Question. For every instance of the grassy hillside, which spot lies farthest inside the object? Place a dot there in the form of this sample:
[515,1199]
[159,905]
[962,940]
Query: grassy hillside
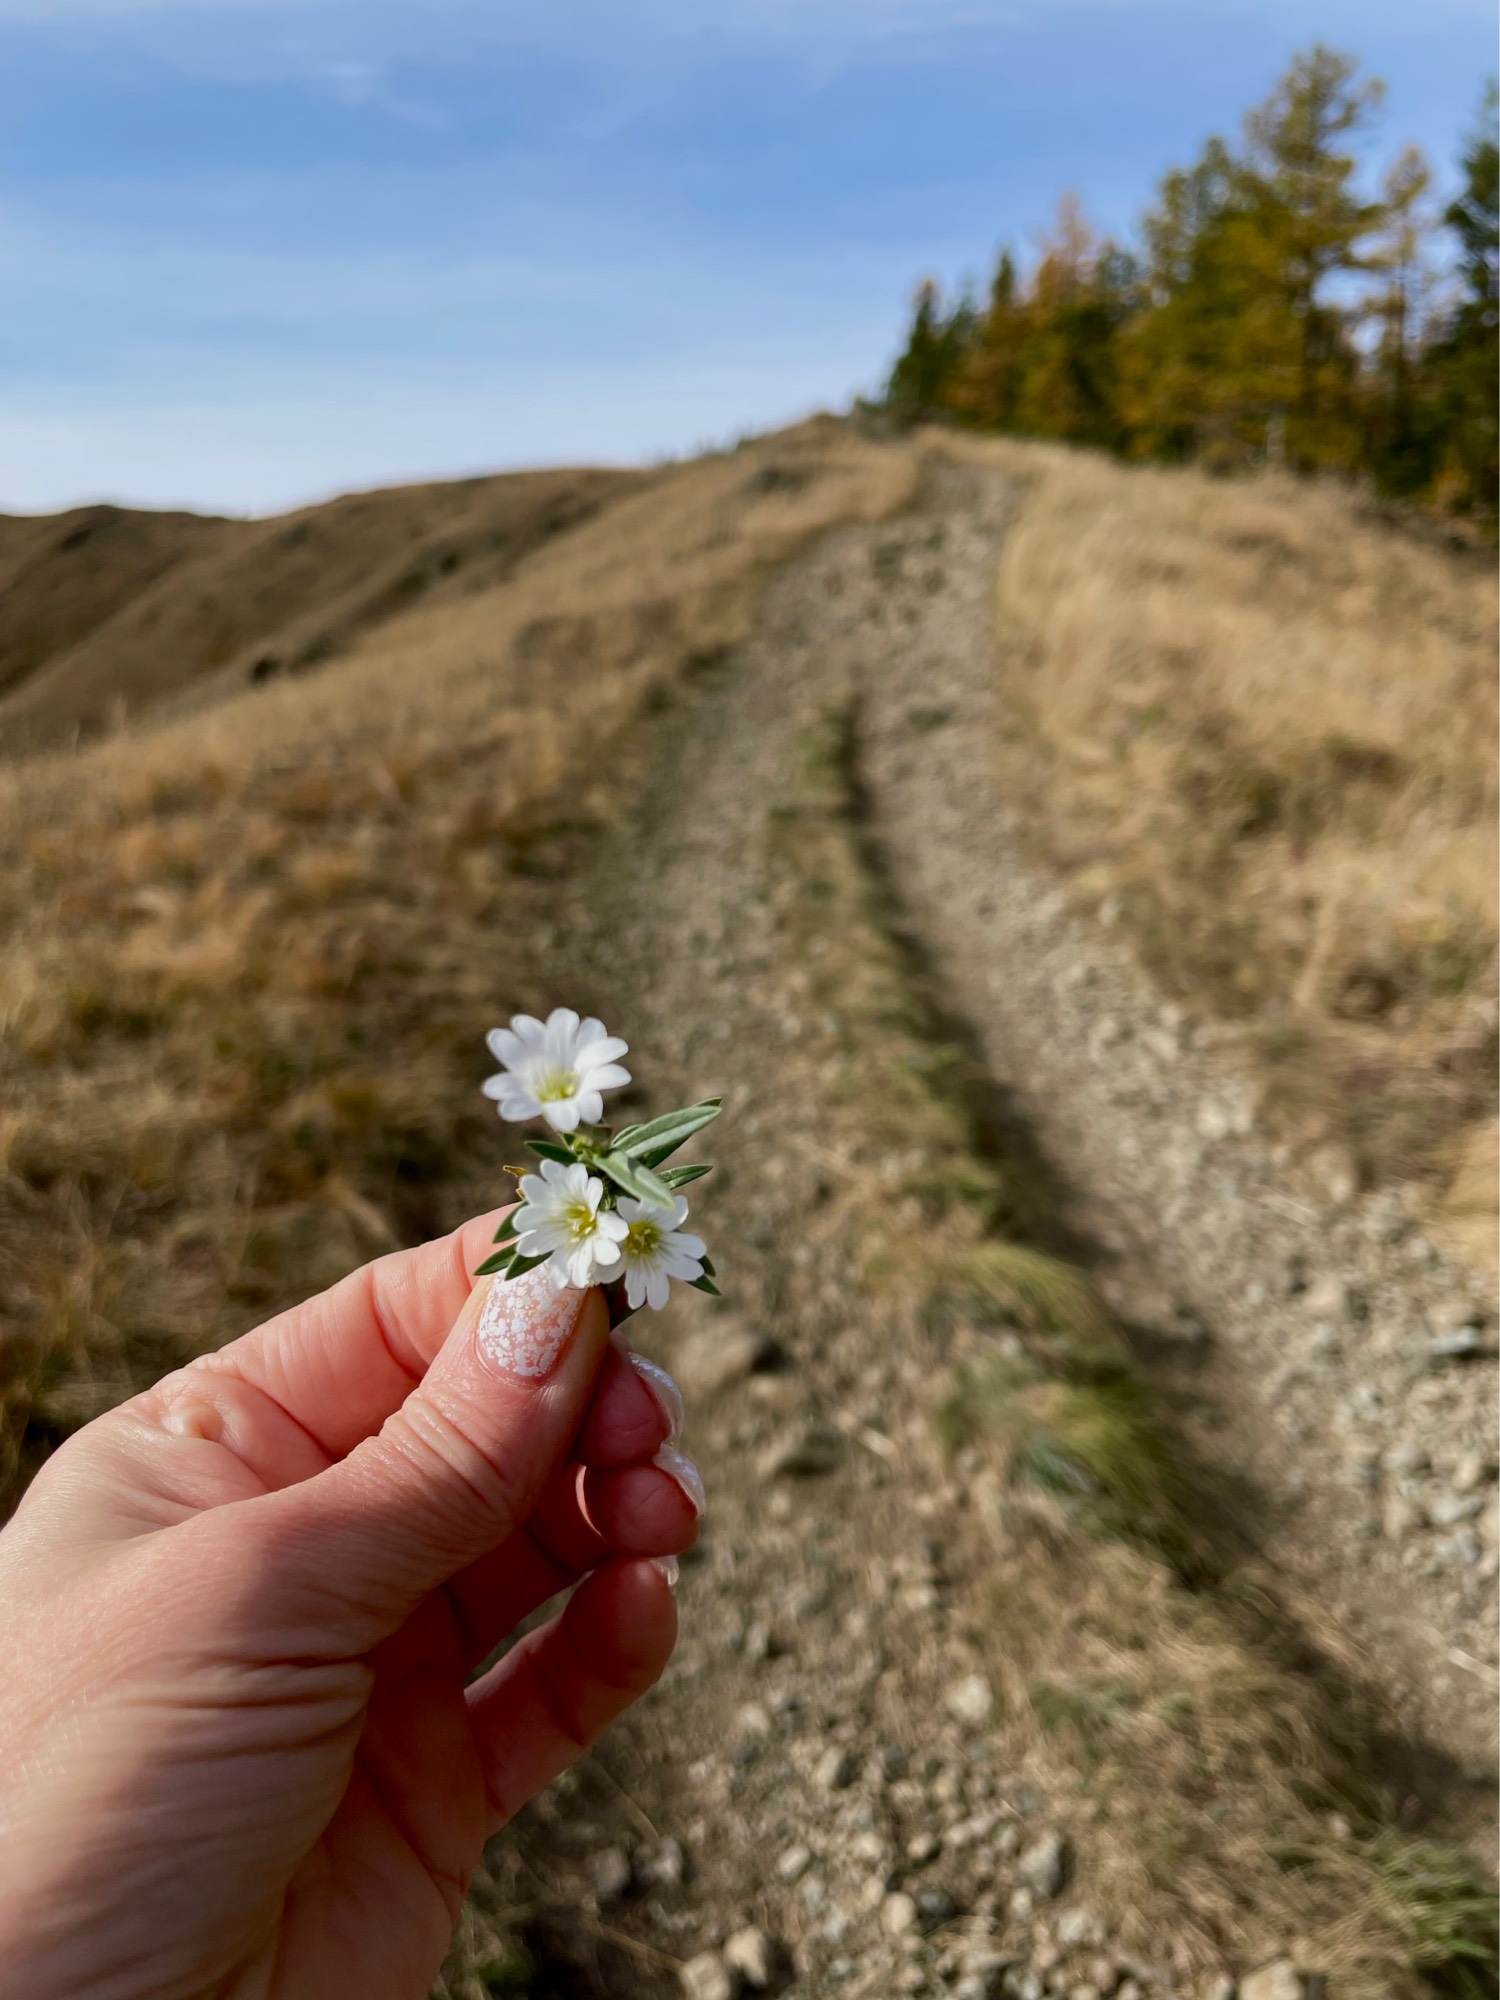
[246,956]
[1255,723]
[107,615]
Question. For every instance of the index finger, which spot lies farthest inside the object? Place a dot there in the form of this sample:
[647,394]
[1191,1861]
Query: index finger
[341,1363]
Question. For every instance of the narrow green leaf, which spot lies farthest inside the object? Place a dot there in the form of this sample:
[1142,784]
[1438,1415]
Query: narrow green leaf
[708,1266]
[499,1261]
[507,1228]
[550,1149]
[706,1285]
[679,1177]
[636,1179]
[519,1265]
[658,1140]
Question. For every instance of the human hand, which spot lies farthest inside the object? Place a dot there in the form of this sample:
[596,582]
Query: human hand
[238,1753]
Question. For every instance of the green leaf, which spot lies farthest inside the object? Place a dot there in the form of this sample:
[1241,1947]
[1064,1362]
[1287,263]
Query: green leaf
[706,1285]
[519,1265]
[550,1149]
[679,1177]
[708,1266]
[636,1179]
[499,1261]
[659,1139]
[507,1228]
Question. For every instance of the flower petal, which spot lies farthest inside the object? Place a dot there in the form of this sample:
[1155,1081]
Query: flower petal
[562,1115]
[603,1076]
[505,1046]
[590,1106]
[658,1290]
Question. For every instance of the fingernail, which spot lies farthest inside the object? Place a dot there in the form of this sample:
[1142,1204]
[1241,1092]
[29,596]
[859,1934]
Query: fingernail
[666,1392]
[524,1324]
[670,1568]
[677,1465]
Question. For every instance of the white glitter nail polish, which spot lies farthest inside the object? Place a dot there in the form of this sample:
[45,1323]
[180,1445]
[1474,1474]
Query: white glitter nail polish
[524,1324]
[677,1465]
[666,1392]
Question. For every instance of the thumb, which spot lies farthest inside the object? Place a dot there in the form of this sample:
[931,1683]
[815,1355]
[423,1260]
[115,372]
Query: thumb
[452,1472]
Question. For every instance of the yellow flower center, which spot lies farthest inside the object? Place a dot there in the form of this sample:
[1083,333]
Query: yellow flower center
[557,1085]
[578,1220]
[642,1239]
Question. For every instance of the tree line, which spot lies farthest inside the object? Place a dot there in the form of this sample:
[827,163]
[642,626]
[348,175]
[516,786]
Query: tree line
[1272,312]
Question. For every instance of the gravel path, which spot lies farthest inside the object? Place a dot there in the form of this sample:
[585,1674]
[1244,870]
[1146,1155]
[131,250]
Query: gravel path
[823,1715]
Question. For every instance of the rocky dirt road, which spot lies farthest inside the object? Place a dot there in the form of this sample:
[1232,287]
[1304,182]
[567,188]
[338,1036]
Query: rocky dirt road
[812,1795]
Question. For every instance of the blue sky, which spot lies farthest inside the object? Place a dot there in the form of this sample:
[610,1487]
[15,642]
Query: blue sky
[258,251]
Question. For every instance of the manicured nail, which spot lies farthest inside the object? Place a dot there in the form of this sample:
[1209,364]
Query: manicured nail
[666,1392]
[670,1568]
[677,1465]
[524,1324]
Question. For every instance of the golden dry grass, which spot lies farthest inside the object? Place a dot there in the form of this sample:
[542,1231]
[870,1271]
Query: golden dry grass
[1266,726]
[246,955]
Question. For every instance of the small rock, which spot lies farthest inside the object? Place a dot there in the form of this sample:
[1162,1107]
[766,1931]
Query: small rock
[1472,1471]
[935,1905]
[1448,1509]
[717,1358]
[1278,1981]
[1022,1905]
[807,1452]
[1401,1516]
[755,1955]
[794,1862]
[1334,1170]
[1327,1298]
[1077,1927]
[922,1848]
[665,1868]
[1215,1121]
[1221,1989]
[1463,1344]
[706,1977]
[837,1769]
[970,1700]
[898,1914]
[610,1873]
[1083,1992]
[1043,1866]
[1405,1457]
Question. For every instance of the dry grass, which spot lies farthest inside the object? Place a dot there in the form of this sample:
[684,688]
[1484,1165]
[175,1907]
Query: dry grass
[1215,1753]
[246,956]
[1265,724]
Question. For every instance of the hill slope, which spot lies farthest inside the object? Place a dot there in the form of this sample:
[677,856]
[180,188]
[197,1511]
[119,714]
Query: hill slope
[107,614]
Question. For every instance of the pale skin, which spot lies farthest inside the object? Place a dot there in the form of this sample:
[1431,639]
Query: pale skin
[243,1749]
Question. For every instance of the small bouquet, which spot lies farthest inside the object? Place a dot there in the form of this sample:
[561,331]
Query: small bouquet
[602,1209]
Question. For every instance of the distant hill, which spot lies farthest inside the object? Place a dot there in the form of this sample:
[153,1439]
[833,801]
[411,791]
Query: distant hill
[108,613]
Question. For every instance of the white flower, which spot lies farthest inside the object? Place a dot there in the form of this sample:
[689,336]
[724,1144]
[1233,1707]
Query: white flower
[555,1069]
[560,1219]
[654,1251]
